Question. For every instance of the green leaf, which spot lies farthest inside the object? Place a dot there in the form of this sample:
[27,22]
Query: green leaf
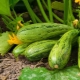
[57,5]
[13,2]
[41,73]
[4,7]
[35,74]
[4,45]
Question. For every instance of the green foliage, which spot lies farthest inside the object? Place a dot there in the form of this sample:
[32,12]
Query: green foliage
[57,5]
[4,45]
[4,7]
[35,74]
[13,3]
[11,24]
[41,73]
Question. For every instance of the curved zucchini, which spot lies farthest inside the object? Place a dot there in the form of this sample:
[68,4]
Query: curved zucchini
[41,31]
[39,49]
[61,51]
[19,49]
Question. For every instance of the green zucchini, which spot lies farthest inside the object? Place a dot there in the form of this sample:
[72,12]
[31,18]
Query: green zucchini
[39,49]
[19,49]
[61,51]
[41,31]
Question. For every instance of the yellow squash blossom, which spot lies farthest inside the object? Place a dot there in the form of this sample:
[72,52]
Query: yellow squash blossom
[19,22]
[19,25]
[75,22]
[77,1]
[13,39]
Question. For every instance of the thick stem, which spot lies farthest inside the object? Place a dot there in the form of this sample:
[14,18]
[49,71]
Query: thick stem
[50,10]
[66,9]
[14,12]
[42,11]
[70,10]
[30,10]
[59,19]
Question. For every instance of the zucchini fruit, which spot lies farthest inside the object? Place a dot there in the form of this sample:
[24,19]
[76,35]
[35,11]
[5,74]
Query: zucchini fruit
[61,51]
[19,49]
[39,49]
[41,31]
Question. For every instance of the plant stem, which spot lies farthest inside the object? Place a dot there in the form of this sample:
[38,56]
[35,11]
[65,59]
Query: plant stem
[59,19]
[14,12]
[71,17]
[38,20]
[68,13]
[42,11]
[6,18]
[50,10]
[7,24]
[70,10]
[30,10]
[66,9]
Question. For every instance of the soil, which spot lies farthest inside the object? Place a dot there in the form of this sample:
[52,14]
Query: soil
[10,68]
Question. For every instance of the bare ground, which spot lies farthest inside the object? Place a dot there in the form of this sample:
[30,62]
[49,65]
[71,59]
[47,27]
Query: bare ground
[10,68]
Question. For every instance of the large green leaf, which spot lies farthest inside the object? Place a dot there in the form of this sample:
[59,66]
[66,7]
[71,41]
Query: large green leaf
[4,7]
[4,45]
[35,74]
[57,5]
[41,73]
[13,2]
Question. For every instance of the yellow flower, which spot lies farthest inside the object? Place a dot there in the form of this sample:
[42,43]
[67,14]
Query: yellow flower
[19,25]
[13,39]
[77,1]
[75,22]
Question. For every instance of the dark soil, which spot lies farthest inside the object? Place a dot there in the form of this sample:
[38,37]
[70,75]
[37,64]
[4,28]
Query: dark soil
[10,67]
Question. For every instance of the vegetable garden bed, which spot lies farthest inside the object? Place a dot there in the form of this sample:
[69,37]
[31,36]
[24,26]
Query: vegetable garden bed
[10,69]
[15,27]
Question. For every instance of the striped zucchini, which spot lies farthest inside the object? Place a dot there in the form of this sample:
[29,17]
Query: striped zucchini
[19,49]
[39,49]
[41,31]
[61,51]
